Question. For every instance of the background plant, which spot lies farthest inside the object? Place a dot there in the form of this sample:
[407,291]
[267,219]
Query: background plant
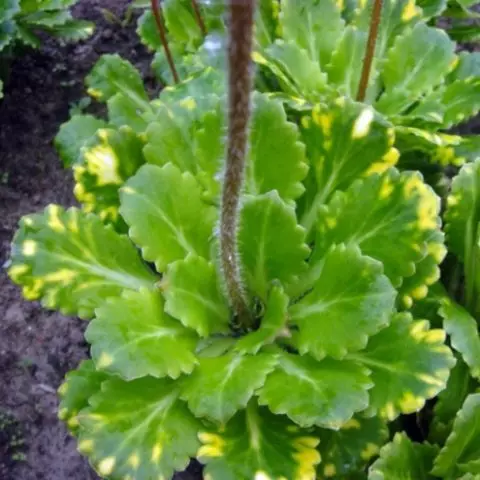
[22,20]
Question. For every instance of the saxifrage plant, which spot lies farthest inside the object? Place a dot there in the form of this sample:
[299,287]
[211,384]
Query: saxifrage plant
[259,333]
[22,20]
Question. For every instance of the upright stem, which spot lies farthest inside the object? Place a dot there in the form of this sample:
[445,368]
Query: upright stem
[157,14]
[198,16]
[239,88]
[370,51]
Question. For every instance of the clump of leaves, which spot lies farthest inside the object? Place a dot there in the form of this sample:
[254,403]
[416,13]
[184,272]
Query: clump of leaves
[327,360]
[22,20]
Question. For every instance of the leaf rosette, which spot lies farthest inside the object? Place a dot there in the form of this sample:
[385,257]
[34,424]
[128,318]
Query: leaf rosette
[172,376]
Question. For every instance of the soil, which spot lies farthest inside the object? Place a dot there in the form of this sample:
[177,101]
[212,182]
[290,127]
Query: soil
[37,347]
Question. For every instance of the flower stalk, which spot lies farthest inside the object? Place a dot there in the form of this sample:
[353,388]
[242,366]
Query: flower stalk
[239,91]
[157,14]
[199,18]
[370,50]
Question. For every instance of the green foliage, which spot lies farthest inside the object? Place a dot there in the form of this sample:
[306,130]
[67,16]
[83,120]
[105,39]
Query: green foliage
[22,20]
[174,375]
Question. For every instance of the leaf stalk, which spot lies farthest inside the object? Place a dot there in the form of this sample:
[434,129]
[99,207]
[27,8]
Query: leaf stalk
[199,18]
[370,50]
[157,14]
[239,90]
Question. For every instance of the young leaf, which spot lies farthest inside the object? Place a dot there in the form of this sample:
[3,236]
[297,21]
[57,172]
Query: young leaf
[409,364]
[464,335]
[313,25]
[73,262]
[73,135]
[271,324]
[325,393]
[463,444]
[264,219]
[192,295]
[276,157]
[351,447]
[221,386]
[138,429]
[389,202]
[78,387]
[257,444]
[108,160]
[403,459]
[344,142]
[134,326]
[112,75]
[351,300]
[166,214]
[426,54]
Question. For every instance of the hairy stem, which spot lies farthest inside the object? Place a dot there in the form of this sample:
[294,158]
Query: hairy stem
[370,51]
[239,88]
[198,17]
[163,37]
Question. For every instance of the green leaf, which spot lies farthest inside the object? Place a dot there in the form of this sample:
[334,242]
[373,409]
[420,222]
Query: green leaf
[193,295]
[78,387]
[314,26]
[166,214]
[134,326]
[73,262]
[463,212]
[463,444]
[122,111]
[276,156]
[351,300]
[449,402]
[461,100]
[389,202]
[257,444]
[265,219]
[138,429]
[221,386]
[464,335]
[112,75]
[426,54]
[325,393]
[432,8]
[403,459]
[8,9]
[74,134]
[350,448]
[344,141]
[108,160]
[181,23]
[271,325]
[72,30]
[409,364]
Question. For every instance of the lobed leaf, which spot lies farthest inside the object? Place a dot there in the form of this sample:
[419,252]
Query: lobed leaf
[138,429]
[350,448]
[409,364]
[73,135]
[73,262]
[325,393]
[193,295]
[78,387]
[258,444]
[166,215]
[396,208]
[221,386]
[403,459]
[351,299]
[132,337]
[264,219]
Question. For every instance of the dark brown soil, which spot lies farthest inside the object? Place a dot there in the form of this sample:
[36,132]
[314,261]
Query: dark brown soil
[38,347]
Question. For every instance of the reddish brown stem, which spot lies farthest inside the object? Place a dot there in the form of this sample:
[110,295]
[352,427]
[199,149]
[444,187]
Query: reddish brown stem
[198,17]
[157,14]
[370,50]
[239,89]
